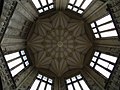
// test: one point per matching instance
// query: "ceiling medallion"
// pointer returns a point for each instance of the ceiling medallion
(60, 44)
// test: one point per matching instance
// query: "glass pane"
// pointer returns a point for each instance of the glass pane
(50, 1)
(84, 85)
(69, 7)
(91, 64)
(73, 79)
(68, 80)
(48, 87)
(94, 59)
(106, 27)
(42, 86)
(108, 58)
(12, 56)
(40, 11)
(36, 3)
(109, 34)
(102, 71)
(110, 67)
(17, 70)
(72, 1)
(14, 63)
(22, 52)
(76, 85)
(75, 9)
(92, 25)
(103, 63)
(80, 11)
(50, 80)
(51, 6)
(26, 63)
(46, 8)
(70, 87)
(24, 58)
(97, 36)
(78, 2)
(43, 2)
(96, 53)
(79, 76)
(35, 85)
(86, 3)
(94, 30)
(39, 76)
(104, 20)
(45, 78)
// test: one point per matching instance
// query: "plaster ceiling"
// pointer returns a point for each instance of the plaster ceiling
(59, 43)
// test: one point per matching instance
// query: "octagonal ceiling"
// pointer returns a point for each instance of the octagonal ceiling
(58, 43)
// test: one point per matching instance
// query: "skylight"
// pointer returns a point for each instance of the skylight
(103, 63)
(42, 83)
(77, 83)
(104, 27)
(43, 5)
(16, 62)
(78, 6)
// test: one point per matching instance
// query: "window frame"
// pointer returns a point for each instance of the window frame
(42, 7)
(109, 62)
(79, 8)
(41, 80)
(78, 81)
(17, 65)
(99, 32)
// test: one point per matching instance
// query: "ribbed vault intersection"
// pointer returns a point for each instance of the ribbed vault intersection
(59, 43)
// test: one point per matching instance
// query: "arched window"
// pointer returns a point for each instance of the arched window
(42, 83)
(16, 62)
(77, 83)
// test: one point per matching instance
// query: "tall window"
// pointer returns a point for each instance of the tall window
(16, 62)
(103, 63)
(42, 83)
(104, 27)
(76, 83)
(78, 6)
(43, 5)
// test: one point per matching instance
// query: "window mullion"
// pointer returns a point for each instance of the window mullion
(82, 3)
(104, 23)
(97, 29)
(97, 60)
(48, 4)
(72, 84)
(39, 83)
(79, 83)
(13, 59)
(22, 59)
(46, 85)
(104, 68)
(41, 5)
(16, 66)
(107, 61)
(74, 4)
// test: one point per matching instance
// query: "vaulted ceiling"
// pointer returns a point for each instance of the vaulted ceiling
(58, 43)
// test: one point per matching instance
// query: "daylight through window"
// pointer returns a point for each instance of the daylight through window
(42, 83)
(76, 83)
(43, 5)
(16, 62)
(78, 6)
(103, 63)
(104, 27)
